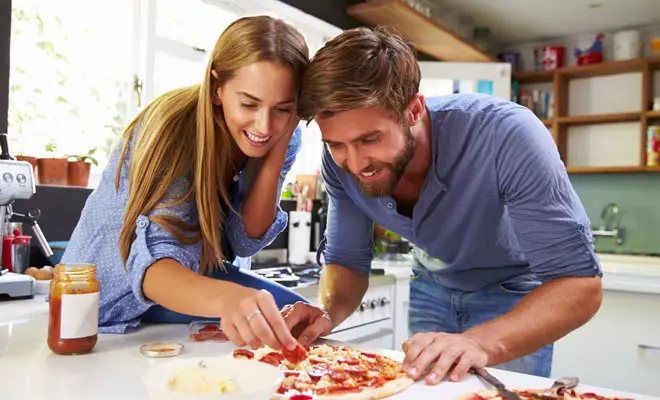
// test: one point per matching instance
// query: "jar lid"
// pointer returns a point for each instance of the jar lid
(161, 349)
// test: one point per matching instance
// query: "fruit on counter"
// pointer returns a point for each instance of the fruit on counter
(40, 274)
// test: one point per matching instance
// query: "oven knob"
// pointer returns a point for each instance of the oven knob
(363, 306)
(373, 304)
(384, 301)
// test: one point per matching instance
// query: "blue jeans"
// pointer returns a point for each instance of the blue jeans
(437, 308)
(282, 295)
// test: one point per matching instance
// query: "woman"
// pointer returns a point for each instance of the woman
(196, 182)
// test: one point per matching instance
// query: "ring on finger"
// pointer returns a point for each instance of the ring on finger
(254, 314)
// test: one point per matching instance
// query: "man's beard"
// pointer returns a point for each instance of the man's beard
(396, 169)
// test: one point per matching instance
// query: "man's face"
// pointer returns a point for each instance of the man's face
(371, 145)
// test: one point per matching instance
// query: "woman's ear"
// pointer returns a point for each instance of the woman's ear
(216, 99)
(217, 89)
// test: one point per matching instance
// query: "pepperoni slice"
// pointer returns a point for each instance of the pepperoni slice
(349, 360)
(317, 373)
(243, 353)
(356, 370)
(289, 372)
(301, 397)
(210, 328)
(296, 355)
(276, 356)
(339, 376)
(270, 359)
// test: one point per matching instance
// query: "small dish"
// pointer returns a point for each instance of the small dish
(161, 349)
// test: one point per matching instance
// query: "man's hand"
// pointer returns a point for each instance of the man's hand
(434, 354)
(306, 322)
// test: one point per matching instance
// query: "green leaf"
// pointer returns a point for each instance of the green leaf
(92, 151)
(61, 100)
(48, 46)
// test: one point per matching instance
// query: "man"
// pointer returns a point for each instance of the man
(504, 258)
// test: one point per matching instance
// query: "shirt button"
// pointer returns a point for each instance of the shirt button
(390, 206)
(142, 223)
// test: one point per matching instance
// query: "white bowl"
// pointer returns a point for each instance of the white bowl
(256, 380)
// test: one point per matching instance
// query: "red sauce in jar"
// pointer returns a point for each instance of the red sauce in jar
(78, 285)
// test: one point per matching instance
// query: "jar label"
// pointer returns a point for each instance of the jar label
(80, 315)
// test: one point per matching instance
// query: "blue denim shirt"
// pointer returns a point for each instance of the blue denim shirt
(95, 239)
(497, 202)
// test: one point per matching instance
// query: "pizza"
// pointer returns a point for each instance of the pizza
(540, 394)
(324, 372)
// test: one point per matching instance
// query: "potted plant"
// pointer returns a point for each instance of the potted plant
(79, 168)
(52, 170)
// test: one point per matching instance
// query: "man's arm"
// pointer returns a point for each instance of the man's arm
(341, 290)
(553, 231)
(348, 253)
(545, 315)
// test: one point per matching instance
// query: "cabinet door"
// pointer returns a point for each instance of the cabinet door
(619, 348)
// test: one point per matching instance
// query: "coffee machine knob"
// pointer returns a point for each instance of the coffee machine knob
(373, 304)
(384, 301)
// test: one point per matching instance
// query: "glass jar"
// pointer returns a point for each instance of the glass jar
(74, 309)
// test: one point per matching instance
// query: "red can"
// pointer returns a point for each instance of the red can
(553, 57)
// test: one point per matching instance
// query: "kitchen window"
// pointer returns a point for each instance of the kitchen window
(81, 70)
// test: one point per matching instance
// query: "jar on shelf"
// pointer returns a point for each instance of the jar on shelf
(653, 146)
(74, 309)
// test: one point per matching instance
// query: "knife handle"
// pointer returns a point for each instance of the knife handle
(488, 377)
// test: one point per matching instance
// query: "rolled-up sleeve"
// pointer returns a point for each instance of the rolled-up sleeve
(153, 242)
(548, 218)
(240, 242)
(349, 232)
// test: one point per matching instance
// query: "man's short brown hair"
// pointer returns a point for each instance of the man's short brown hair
(361, 67)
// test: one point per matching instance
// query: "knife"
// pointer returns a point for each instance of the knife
(483, 374)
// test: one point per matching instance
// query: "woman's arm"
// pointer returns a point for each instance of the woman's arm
(258, 218)
(260, 206)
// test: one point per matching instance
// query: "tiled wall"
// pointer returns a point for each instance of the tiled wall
(638, 198)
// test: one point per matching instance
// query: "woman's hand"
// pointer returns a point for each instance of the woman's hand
(253, 319)
(276, 155)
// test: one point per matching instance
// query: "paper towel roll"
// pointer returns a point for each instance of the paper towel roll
(300, 229)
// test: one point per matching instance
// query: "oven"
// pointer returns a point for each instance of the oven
(371, 325)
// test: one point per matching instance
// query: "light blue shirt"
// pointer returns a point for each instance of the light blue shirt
(95, 239)
(497, 202)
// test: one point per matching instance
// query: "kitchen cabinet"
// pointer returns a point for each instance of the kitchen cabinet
(619, 347)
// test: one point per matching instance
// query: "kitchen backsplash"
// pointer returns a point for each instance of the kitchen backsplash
(638, 198)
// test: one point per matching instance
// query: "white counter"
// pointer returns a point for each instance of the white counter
(28, 370)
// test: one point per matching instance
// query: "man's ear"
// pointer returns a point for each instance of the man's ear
(415, 109)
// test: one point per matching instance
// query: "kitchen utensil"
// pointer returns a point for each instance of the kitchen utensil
(567, 383)
(484, 375)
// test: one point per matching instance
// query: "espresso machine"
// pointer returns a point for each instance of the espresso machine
(17, 182)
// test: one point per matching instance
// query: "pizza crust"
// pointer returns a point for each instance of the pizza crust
(390, 388)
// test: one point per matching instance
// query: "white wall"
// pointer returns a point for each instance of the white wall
(608, 144)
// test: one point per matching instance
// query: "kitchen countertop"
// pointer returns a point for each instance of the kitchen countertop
(630, 273)
(29, 371)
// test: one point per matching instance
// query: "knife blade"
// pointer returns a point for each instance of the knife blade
(483, 374)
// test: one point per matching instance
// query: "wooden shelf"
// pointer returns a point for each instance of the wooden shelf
(610, 170)
(600, 119)
(547, 122)
(426, 34)
(653, 114)
(603, 69)
(533, 76)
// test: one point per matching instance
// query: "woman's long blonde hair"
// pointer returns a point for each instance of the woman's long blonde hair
(182, 133)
